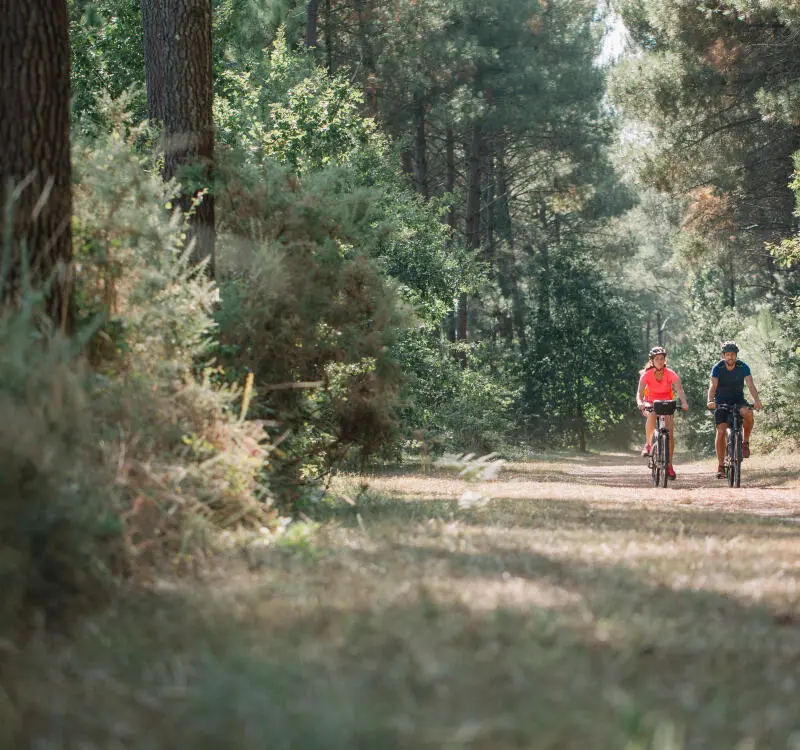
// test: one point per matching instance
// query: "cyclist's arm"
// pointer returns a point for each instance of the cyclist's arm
(753, 392)
(681, 395)
(640, 402)
(712, 390)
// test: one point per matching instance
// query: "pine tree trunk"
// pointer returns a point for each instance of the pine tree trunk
(473, 219)
(188, 115)
(154, 42)
(364, 12)
(581, 426)
(35, 150)
(507, 269)
(450, 169)
(450, 181)
(420, 147)
(328, 37)
(311, 24)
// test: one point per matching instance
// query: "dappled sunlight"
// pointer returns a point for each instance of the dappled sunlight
(542, 618)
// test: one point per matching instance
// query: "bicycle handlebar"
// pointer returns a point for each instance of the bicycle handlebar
(730, 407)
(648, 406)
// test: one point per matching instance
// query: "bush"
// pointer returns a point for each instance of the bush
(120, 448)
(185, 460)
(61, 542)
(449, 407)
(307, 313)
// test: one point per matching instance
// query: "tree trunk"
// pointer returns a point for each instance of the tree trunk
(731, 283)
(420, 147)
(450, 168)
(328, 37)
(311, 24)
(188, 116)
(488, 210)
(154, 42)
(581, 425)
(364, 13)
(450, 182)
(35, 162)
(507, 269)
(473, 218)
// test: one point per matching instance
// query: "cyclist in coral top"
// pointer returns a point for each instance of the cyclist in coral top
(656, 383)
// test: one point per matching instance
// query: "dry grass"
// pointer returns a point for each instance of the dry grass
(577, 609)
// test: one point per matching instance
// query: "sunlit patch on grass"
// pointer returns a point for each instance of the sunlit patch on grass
(556, 614)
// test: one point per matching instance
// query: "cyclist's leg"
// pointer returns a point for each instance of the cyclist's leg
(748, 419)
(650, 427)
(721, 420)
(669, 423)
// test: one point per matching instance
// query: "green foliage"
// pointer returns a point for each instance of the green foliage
(710, 322)
(446, 406)
(61, 541)
(281, 107)
(132, 261)
(300, 304)
(320, 241)
(185, 452)
(127, 462)
(581, 370)
(107, 55)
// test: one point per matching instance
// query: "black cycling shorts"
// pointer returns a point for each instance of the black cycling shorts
(721, 416)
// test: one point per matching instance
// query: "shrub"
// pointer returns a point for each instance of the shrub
(185, 460)
(60, 534)
(118, 448)
(307, 313)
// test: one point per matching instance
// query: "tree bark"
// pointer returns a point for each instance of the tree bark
(35, 162)
(450, 178)
(473, 218)
(507, 269)
(420, 147)
(311, 24)
(188, 115)
(450, 174)
(581, 423)
(154, 43)
(328, 37)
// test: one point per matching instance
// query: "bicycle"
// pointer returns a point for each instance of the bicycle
(733, 443)
(659, 452)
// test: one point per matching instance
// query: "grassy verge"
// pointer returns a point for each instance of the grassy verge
(567, 612)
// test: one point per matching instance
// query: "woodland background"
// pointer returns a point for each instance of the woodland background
(247, 244)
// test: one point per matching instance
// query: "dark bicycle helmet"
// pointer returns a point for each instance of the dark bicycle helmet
(657, 350)
(730, 346)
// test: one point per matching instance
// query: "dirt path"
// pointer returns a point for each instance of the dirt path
(574, 607)
(770, 485)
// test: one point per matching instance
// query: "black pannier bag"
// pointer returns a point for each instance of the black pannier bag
(664, 407)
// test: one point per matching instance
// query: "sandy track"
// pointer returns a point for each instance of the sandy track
(770, 485)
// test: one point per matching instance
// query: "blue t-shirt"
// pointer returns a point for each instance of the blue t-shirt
(730, 389)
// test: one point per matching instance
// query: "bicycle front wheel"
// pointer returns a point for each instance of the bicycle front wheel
(664, 440)
(736, 465)
(730, 464)
(655, 463)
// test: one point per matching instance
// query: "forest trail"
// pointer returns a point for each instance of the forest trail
(770, 485)
(575, 607)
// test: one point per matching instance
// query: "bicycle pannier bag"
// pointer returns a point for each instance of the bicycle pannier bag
(664, 407)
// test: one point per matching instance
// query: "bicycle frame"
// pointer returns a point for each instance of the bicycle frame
(733, 444)
(659, 451)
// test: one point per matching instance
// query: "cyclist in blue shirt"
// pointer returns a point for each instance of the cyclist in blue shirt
(728, 377)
